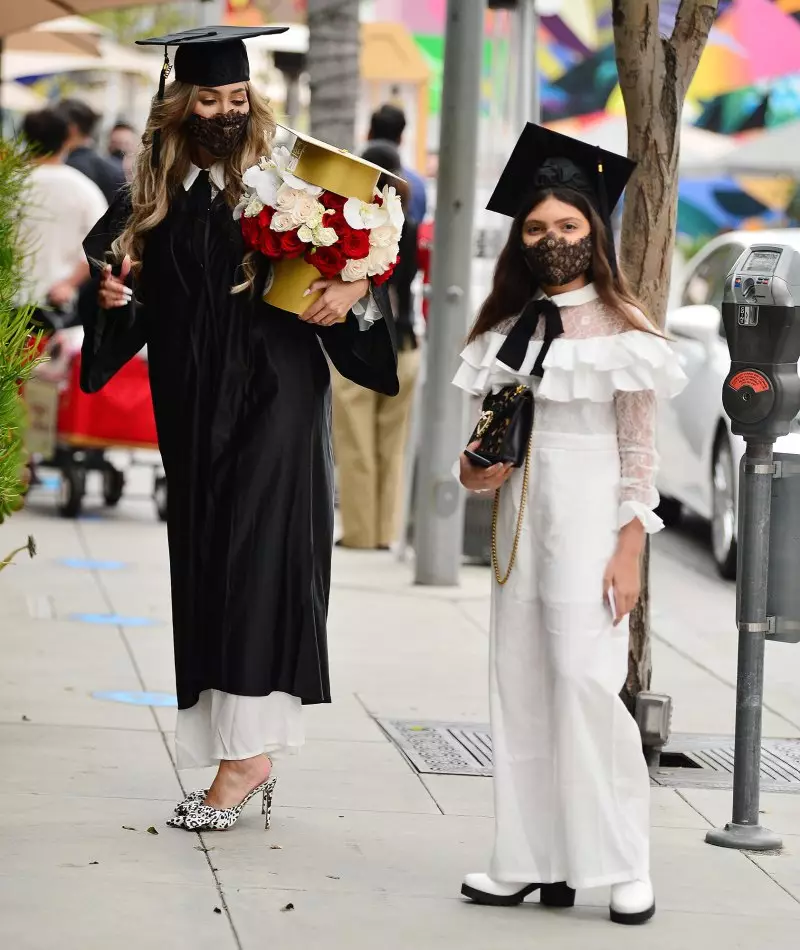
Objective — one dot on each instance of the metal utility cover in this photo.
(459, 748)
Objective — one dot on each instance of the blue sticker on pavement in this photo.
(87, 564)
(114, 620)
(136, 698)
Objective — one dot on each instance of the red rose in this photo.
(382, 278)
(331, 200)
(354, 243)
(253, 228)
(250, 232)
(337, 222)
(329, 261)
(291, 245)
(269, 243)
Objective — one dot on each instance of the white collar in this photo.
(216, 173)
(572, 298)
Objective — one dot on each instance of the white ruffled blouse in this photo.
(601, 376)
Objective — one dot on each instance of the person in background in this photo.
(123, 143)
(370, 430)
(60, 206)
(82, 121)
(387, 125)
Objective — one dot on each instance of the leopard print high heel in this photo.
(200, 817)
(199, 795)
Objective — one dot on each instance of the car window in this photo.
(707, 284)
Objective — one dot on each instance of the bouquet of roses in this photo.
(284, 217)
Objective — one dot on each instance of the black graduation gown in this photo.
(241, 393)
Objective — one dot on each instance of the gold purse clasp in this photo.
(484, 422)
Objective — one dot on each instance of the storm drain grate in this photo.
(690, 761)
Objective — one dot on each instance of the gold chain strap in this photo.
(502, 580)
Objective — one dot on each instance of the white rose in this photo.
(283, 221)
(305, 233)
(286, 198)
(384, 236)
(254, 208)
(355, 269)
(324, 237)
(380, 258)
(307, 209)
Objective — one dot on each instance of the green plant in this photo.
(17, 347)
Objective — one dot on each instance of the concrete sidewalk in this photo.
(363, 852)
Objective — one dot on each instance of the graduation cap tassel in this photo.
(166, 69)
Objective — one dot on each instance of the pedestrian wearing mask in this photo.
(571, 784)
(241, 393)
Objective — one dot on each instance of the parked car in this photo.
(699, 454)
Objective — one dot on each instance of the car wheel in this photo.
(71, 491)
(669, 511)
(723, 517)
(160, 497)
(113, 486)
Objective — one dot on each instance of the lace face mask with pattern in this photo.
(555, 261)
(219, 134)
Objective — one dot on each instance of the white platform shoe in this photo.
(483, 889)
(632, 902)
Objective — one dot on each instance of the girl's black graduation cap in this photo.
(546, 159)
(207, 56)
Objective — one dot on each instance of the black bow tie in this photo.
(513, 351)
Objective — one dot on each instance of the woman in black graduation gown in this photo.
(242, 402)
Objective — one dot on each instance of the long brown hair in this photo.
(514, 285)
(152, 188)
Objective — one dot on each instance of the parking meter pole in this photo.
(744, 830)
(439, 518)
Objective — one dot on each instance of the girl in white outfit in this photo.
(571, 783)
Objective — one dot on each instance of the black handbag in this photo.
(506, 420)
(504, 428)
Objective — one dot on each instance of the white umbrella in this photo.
(17, 15)
(18, 98)
(73, 35)
(772, 152)
(113, 57)
(699, 147)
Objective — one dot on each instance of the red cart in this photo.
(72, 431)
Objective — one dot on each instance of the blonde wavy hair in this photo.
(152, 188)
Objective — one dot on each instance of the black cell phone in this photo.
(478, 460)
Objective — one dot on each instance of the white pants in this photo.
(571, 784)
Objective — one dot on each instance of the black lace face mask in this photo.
(219, 134)
(555, 261)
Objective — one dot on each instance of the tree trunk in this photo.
(654, 75)
(334, 70)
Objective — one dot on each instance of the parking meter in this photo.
(761, 394)
(761, 313)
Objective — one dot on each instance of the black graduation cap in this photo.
(207, 56)
(210, 56)
(546, 159)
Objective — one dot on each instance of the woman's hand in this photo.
(114, 292)
(476, 478)
(338, 297)
(624, 574)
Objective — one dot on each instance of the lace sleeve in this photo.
(636, 424)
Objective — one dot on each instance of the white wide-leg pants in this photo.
(571, 784)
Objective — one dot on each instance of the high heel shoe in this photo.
(200, 817)
(483, 889)
(197, 796)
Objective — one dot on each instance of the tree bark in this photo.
(654, 75)
(334, 69)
